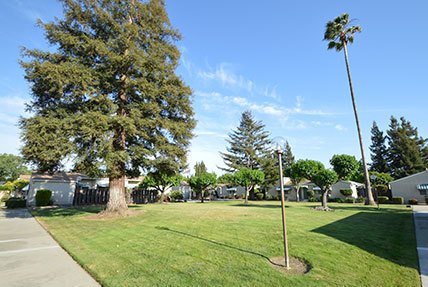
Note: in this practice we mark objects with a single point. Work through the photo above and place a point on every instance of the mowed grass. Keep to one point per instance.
(227, 243)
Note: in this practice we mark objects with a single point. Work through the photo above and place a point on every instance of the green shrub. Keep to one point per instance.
(5, 197)
(398, 200)
(349, 200)
(336, 199)
(314, 199)
(413, 201)
(381, 188)
(360, 199)
(259, 196)
(15, 202)
(43, 197)
(8, 186)
(346, 192)
(382, 199)
(426, 199)
(176, 195)
(310, 193)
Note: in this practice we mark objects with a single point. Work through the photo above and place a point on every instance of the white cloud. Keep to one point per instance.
(341, 128)
(227, 78)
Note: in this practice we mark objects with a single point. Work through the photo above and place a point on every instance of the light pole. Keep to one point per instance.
(278, 143)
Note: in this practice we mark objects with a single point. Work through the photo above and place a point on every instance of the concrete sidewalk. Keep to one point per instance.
(30, 257)
(420, 217)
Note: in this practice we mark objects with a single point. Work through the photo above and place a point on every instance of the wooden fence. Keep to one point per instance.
(87, 196)
(139, 196)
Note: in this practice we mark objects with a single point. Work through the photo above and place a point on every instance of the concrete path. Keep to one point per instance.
(420, 216)
(30, 257)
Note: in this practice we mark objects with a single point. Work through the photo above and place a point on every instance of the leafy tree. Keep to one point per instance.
(324, 179)
(405, 149)
(11, 167)
(160, 182)
(379, 150)
(227, 178)
(248, 145)
(248, 178)
(200, 168)
(339, 33)
(303, 169)
(344, 165)
(202, 182)
(380, 178)
(108, 95)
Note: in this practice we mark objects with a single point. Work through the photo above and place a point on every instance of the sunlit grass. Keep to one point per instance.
(226, 244)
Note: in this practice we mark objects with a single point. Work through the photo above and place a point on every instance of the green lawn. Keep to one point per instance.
(226, 244)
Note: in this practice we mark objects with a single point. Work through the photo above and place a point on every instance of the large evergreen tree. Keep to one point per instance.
(108, 96)
(406, 149)
(248, 145)
(379, 150)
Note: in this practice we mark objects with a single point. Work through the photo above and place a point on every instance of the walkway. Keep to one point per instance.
(30, 257)
(420, 216)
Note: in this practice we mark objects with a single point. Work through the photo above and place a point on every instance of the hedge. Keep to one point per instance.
(346, 192)
(16, 202)
(382, 199)
(398, 200)
(43, 197)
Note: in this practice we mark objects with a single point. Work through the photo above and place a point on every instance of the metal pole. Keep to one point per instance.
(284, 226)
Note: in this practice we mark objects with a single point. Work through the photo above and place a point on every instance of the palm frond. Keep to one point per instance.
(331, 45)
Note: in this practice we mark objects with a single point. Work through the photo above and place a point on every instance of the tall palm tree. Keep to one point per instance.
(339, 33)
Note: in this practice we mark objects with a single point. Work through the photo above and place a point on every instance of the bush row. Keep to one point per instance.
(15, 202)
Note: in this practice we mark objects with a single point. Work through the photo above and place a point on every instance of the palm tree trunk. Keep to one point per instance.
(370, 199)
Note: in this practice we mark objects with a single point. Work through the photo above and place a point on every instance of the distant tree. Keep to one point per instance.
(303, 169)
(11, 167)
(380, 178)
(248, 145)
(339, 33)
(200, 168)
(161, 182)
(287, 157)
(227, 178)
(202, 182)
(405, 149)
(248, 178)
(107, 94)
(344, 165)
(324, 179)
(379, 150)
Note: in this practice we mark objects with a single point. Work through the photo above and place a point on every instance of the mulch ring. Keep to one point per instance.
(297, 265)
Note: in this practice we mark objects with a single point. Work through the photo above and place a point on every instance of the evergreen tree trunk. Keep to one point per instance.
(117, 199)
(324, 199)
(370, 199)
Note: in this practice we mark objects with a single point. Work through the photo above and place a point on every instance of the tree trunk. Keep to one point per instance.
(246, 195)
(324, 199)
(117, 199)
(202, 196)
(297, 193)
(370, 199)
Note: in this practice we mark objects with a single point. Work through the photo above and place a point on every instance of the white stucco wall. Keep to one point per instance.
(335, 189)
(62, 192)
(406, 187)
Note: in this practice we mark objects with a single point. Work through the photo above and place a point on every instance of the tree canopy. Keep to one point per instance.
(107, 94)
(344, 165)
(248, 145)
(201, 182)
(248, 178)
(324, 179)
(378, 150)
(11, 167)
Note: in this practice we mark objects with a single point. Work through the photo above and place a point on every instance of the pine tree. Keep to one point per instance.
(108, 97)
(287, 157)
(379, 150)
(249, 144)
(200, 168)
(406, 149)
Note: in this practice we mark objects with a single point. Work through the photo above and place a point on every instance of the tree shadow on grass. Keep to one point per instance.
(388, 234)
(62, 212)
(364, 208)
(216, 243)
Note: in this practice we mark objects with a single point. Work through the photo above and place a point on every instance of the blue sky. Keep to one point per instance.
(267, 57)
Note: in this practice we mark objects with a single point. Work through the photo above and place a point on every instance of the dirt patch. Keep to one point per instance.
(297, 265)
(103, 215)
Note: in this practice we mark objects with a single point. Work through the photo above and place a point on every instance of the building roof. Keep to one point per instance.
(409, 176)
(58, 176)
(351, 182)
